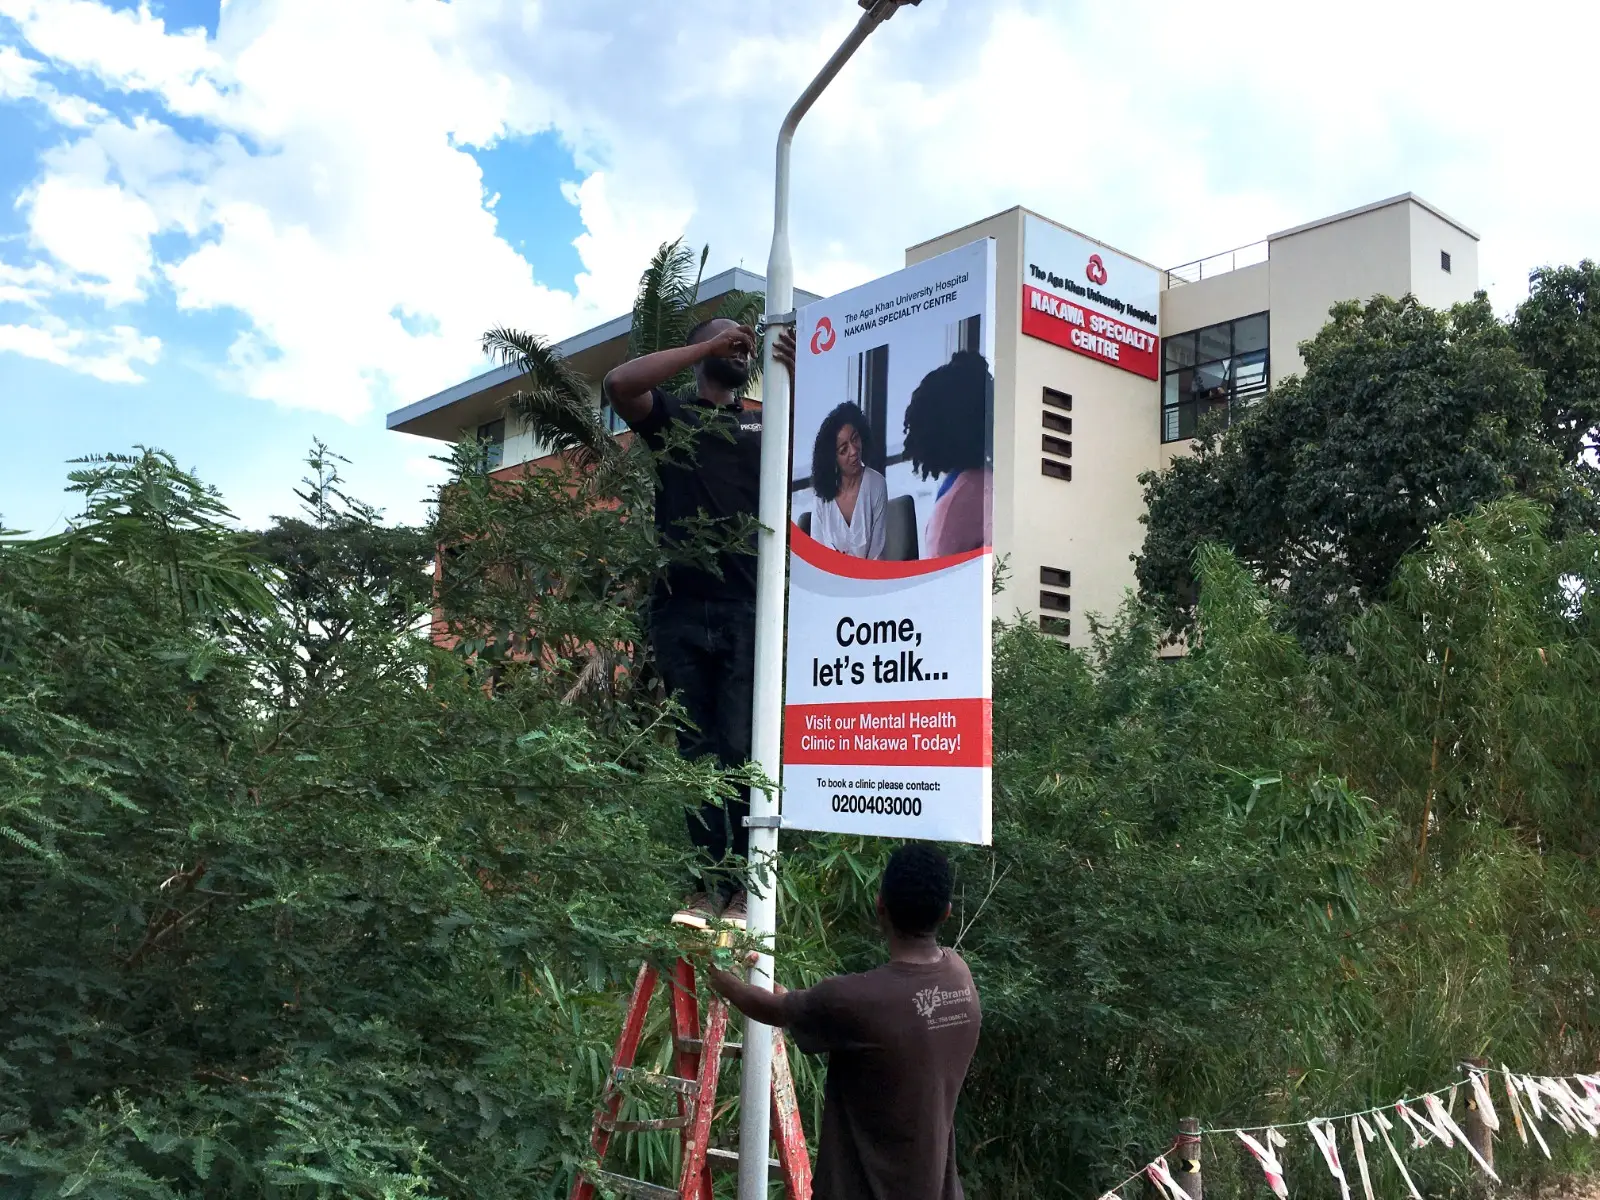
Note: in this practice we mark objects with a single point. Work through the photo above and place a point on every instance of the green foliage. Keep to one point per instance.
(559, 405)
(1557, 329)
(554, 399)
(311, 939)
(1403, 418)
(301, 902)
(667, 307)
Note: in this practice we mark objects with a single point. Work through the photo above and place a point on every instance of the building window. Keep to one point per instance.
(610, 418)
(1054, 423)
(1053, 600)
(1221, 368)
(494, 433)
(1444, 261)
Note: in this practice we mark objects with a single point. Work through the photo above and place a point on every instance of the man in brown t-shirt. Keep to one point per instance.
(898, 1040)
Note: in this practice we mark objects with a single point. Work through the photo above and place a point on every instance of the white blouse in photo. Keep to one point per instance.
(863, 535)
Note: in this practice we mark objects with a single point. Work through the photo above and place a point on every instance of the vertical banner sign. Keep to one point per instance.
(1079, 295)
(886, 727)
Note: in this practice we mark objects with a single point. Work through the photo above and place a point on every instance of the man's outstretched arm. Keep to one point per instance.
(756, 1003)
(628, 386)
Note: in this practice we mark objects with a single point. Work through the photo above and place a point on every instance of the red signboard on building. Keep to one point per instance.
(1093, 301)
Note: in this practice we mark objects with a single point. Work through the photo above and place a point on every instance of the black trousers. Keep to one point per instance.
(706, 651)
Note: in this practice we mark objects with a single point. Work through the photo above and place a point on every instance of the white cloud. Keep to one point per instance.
(337, 211)
(126, 48)
(99, 231)
(107, 355)
(19, 80)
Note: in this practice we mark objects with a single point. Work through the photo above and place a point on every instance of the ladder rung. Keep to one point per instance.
(685, 1087)
(647, 1125)
(727, 1160)
(691, 1045)
(634, 1187)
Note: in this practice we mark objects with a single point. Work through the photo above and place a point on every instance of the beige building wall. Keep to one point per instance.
(1390, 248)
(1313, 268)
(1430, 282)
(1088, 525)
(1217, 298)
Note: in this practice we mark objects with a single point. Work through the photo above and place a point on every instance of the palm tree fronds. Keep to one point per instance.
(663, 309)
(557, 405)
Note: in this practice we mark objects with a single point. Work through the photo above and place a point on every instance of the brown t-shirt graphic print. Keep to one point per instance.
(898, 1040)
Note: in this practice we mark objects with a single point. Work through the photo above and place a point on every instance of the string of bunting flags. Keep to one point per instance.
(1426, 1119)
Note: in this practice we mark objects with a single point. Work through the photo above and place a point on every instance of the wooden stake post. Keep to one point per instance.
(1187, 1169)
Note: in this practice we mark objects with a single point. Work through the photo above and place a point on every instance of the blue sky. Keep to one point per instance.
(232, 228)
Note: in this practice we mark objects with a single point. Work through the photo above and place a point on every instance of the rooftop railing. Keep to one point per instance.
(1218, 264)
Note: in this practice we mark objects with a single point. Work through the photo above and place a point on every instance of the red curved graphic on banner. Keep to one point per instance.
(822, 340)
(831, 561)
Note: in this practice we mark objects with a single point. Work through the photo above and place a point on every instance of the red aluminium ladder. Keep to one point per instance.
(697, 1061)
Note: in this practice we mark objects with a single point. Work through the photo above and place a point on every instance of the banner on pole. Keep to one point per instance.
(891, 554)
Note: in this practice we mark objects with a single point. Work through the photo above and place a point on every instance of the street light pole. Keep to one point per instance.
(771, 566)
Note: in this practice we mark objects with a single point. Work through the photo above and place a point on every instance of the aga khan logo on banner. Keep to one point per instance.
(822, 340)
(1089, 299)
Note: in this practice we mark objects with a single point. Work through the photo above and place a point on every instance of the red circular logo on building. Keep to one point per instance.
(1096, 271)
(824, 337)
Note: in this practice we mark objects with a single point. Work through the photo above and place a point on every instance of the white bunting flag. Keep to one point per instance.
(1480, 1093)
(1511, 1101)
(1418, 1123)
(1384, 1127)
(1535, 1112)
(1531, 1090)
(1159, 1174)
(1443, 1118)
(1591, 1089)
(1270, 1166)
(1361, 1132)
(1327, 1141)
(1583, 1107)
(1561, 1107)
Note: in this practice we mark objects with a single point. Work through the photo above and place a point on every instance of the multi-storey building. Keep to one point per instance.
(1104, 366)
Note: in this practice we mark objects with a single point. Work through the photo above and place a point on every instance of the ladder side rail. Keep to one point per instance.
(793, 1157)
(627, 1047)
(698, 1135)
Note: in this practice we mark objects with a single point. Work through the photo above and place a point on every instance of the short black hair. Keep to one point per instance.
(916, 889)
(948, 422)
(700, 328)
(824, 456)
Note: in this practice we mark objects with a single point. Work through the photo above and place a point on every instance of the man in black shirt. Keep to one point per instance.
(703, 622)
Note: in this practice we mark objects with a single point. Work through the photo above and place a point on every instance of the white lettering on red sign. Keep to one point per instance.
(1107, 339)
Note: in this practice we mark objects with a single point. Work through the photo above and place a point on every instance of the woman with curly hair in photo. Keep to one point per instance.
(948, 433)
(852, 498)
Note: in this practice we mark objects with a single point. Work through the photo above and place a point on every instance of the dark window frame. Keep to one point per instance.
(494, 433)
(1231, 389)
(1444, 261)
